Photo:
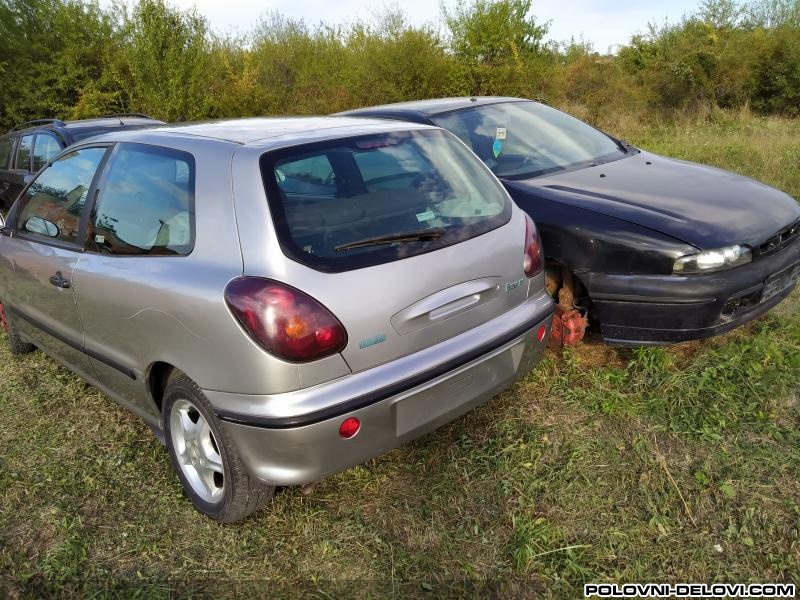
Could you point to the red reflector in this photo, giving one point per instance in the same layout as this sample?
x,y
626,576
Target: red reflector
x,y
349,427
541,332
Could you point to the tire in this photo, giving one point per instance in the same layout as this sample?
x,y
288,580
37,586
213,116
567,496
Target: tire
x,y
205,458
15,343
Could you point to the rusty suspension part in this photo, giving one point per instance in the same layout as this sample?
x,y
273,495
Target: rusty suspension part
x,y
569,324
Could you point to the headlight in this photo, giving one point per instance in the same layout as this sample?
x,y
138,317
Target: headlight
x,y
709,261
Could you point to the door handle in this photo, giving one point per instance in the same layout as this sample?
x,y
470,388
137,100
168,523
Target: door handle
x,y
59,281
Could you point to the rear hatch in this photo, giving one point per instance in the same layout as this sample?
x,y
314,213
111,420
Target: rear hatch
x,y
405,237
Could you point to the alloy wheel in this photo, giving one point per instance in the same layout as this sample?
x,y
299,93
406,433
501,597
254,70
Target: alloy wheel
x,y
197,452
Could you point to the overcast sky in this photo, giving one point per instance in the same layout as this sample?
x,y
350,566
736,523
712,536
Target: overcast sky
x,y
604,22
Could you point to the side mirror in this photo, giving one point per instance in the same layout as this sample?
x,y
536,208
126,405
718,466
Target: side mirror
x,y
42,227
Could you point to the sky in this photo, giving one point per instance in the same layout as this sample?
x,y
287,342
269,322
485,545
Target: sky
x,y
606,23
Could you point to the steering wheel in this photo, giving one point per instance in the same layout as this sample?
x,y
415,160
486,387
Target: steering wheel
x,y
533,152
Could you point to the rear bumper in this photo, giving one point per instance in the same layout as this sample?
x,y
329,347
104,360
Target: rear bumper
x,y
639,310
395,403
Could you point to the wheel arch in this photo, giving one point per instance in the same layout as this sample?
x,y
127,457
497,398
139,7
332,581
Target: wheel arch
x,y
158,376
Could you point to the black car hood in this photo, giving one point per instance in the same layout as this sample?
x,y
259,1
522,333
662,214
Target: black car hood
x,y
699,205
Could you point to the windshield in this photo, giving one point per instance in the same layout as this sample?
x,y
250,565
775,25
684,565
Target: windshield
x,y
524,139
361,201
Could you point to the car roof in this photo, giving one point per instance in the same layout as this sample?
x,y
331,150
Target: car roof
x,y
433,106
74,126
111,122
263,131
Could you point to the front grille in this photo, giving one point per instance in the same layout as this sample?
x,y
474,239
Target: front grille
x,y
781,239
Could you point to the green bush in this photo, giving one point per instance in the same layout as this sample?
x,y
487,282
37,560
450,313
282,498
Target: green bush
x,y
74,59
777,72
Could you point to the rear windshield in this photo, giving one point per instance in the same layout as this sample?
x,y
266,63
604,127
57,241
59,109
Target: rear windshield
x,y
362,201
78,135
84,134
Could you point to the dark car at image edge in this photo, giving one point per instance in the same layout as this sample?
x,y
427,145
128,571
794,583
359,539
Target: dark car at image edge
x,y
28,146
651,249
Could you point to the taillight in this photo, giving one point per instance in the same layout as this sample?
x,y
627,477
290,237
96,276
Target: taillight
x,y
533,249
283,320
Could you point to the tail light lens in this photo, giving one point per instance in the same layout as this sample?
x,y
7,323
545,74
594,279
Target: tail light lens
x,y
283,320
533,249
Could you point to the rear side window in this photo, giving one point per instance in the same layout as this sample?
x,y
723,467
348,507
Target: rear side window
x,y
146,203
45,148
6,144
23,162
356,202
54,202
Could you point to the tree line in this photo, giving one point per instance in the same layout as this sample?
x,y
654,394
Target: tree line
x,y
76,59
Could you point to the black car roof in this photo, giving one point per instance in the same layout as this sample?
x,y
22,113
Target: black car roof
x,y
95,124
111,122
433,106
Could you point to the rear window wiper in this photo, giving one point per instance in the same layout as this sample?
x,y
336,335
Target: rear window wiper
x,y
421,235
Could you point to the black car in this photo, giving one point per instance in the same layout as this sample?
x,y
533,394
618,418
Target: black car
x,y
29,146
653,250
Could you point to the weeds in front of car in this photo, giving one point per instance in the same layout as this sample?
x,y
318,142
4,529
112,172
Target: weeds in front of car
x,y
677,464
728,386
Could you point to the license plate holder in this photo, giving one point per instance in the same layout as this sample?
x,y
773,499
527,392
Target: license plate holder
x,y
454,392
778,282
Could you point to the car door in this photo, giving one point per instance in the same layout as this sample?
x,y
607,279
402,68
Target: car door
x,y
20,168
140,229
45,245
7,177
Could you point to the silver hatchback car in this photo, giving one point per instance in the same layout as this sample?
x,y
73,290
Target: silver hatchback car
x,y
279,299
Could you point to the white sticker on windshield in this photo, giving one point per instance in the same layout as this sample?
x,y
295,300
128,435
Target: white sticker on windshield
x,y
501,133
428,215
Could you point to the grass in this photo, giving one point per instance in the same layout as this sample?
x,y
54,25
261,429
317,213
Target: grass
x,y
676,464
767,149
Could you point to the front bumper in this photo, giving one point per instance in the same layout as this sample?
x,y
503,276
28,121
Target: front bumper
x,y
641,310
282,443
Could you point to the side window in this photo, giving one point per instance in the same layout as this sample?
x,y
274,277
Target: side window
x,y
312,175
23,162
45,148
6,144
53,203
146,203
